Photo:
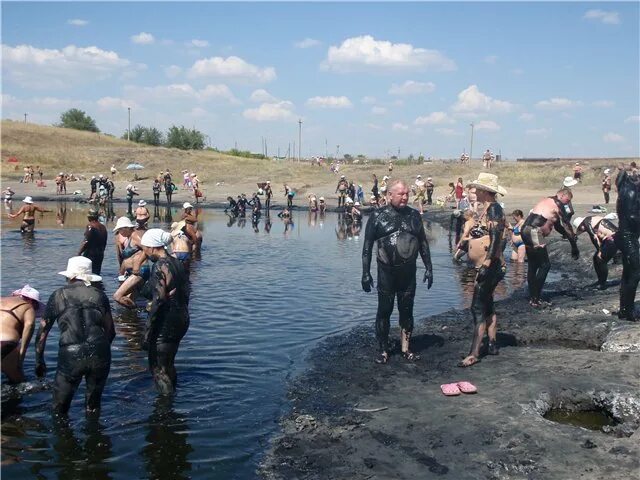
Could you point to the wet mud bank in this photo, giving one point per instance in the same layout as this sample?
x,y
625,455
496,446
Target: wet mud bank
x,y
573,360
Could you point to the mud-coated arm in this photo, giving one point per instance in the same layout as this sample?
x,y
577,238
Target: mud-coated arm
x,y
591,232
367,249
425,254
496,225
159,295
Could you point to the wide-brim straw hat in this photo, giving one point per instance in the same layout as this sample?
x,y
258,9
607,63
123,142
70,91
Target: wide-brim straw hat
x,y
79,268
569,182
123,222
489,183
142,203
28,292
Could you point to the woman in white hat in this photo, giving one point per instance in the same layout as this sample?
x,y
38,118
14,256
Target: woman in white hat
x,y
190,216
168,319
134,269
86,332
142,214
17,318
123,230
181,245
28,211
486,251
606,184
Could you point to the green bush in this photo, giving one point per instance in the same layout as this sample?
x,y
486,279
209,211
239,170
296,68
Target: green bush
x,y
78,120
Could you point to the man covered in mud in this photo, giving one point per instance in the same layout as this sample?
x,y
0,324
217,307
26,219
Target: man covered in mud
x,y
628,208
83,314
490,228
28,212
17,321
401,237
168,321
549,213
95,241
602,233
341,190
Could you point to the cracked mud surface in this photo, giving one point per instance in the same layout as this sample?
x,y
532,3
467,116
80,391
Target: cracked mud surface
x,y
547,355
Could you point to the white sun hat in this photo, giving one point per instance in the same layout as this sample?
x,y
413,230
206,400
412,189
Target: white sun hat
x,y
186,205
607,171
418,176
79,268
577,221
28,200
27,291
156,237
569,181
123,222
357,204
142,203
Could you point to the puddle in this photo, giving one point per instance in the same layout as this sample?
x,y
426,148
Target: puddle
x,y
589,419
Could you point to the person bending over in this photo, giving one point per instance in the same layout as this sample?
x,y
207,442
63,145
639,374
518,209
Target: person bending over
x,y
602,233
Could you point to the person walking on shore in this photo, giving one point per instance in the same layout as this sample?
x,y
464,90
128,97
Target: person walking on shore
x,y
83,314
548,214
341,190
131,191
268,193
401,238
606,185
430,186
17,319
95,241
491,271
628,208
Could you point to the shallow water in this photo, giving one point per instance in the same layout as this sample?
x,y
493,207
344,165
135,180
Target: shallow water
x,y
589,419
260,301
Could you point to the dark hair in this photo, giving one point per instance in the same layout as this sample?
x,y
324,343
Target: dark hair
x,y
517,213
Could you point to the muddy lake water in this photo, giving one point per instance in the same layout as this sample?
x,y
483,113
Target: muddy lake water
x,y
261,300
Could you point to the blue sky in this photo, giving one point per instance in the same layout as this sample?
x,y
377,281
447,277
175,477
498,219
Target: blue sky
x,y
535,79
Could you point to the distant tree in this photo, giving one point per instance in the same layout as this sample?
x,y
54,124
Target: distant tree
x,y
348,157
184,139
410,158
78,120
361,156
152,136
135,135
421,158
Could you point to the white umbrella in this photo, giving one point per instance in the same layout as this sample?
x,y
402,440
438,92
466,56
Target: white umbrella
x,y
134,166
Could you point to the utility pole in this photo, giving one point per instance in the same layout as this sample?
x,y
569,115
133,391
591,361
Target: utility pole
x,y
25,118
299,138
294,150
471,147
337,152
129,129
326,151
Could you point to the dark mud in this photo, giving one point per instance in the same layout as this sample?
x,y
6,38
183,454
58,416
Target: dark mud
x,y
354,419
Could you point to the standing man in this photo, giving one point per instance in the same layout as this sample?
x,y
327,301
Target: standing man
x,y
628,208
28,210
577,172
401,237
131,191
549,213
341,190
86,332
94,186
111,187
430,186
168,186
168,321
268,193
95,241
492,269
606,185
17,320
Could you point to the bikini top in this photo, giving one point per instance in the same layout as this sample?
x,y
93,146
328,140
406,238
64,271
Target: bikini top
x,y
11,311
129,250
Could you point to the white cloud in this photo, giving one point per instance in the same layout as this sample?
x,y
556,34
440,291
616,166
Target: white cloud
x,y
542,132
368,100
198,112
329,102
607,17
182,92
557,103
172,71
526,117
449,132
373,126
604,104
78,22
114,103
517,71
307,43
143,38
231,67
52,68
378,110
488,125
434,118
269,112
611,137
366,53
411,87
399,127
473,100
262,96
198,43
632,119
491,59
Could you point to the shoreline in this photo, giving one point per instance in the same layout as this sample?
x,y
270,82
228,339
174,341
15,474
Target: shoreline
x,y
570,353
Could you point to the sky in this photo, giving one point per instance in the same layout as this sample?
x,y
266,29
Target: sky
x,y
536,79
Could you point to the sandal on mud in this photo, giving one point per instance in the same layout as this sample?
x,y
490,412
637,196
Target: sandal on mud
x,y
410,356
493,349
472,362
382,358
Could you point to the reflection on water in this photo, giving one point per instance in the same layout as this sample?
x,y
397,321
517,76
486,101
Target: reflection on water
x,y
263,294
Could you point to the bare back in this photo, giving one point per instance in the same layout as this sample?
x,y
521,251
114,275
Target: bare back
x,y
548,209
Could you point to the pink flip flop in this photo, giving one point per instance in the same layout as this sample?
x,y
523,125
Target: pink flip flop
x,y
466,387
450,389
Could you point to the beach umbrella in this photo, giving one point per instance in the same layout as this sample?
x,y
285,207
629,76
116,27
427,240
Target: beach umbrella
x,y
134,166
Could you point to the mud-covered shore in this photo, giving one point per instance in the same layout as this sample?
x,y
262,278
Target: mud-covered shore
x,y
354,419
